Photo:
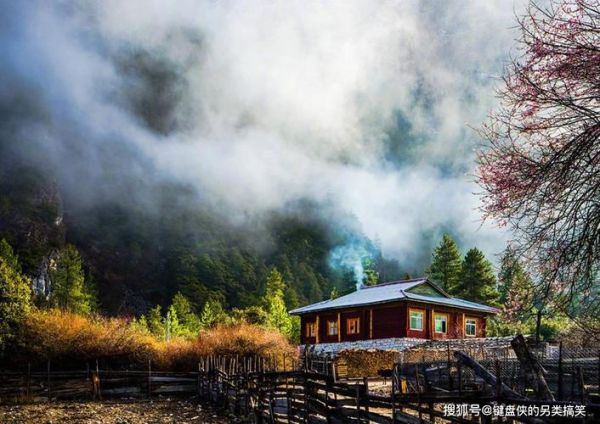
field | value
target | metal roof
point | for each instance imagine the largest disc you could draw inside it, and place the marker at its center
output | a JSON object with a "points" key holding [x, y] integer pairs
{"points": [[391, 292]]}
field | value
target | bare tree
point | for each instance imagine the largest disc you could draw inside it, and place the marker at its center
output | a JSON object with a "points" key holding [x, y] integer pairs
{"points": [[540, 169]]}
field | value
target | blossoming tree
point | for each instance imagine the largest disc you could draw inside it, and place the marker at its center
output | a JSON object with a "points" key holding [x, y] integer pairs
{"points": [[540, 169]]}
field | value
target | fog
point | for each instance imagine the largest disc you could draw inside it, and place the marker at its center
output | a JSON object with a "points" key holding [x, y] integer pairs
{"points": [[367, 106]]}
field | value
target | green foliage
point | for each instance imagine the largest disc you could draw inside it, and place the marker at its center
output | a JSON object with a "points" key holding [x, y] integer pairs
{"points": [[334, 293], [251, 315], [9, 256], [446, 265], [477, 279], [212, 313], [371, 277], [68, 290], [15, 294], [155, 323], [277, 315], [188, 321], [171, 323]]}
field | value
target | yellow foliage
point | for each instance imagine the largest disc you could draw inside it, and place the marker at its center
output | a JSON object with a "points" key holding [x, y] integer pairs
{"points": [[63, 336]]}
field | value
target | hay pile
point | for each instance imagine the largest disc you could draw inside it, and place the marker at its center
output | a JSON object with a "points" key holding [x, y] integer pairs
{"points": [[365, 362]]}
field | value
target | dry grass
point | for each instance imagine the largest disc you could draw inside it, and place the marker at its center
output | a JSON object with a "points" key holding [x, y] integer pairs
{"points": [[367, 363], [67, 337]]}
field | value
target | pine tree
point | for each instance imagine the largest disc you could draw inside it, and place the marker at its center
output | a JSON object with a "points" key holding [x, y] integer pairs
{"points": [[189, 322], [371, 276], [516, 293], [335, 293], [477, 280], [212, 312], [277, 315], [510, 268], [446, 264], [9, 256], [155, 323], [68, 283], [172, 326], [15, 293]]}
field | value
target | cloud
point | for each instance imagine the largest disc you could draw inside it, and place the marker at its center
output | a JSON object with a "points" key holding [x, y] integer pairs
{"points": [[259, 104]]}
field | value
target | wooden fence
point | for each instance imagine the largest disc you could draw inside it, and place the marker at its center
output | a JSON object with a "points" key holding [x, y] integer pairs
{"points": [[277, 390]]}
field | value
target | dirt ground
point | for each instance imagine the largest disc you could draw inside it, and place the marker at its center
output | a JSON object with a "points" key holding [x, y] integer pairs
{"points": [[112, 412]]}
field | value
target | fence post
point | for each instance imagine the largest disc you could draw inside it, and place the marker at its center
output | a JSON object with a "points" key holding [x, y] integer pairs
{"points": [[560, 371], [149, 378], [28, 379], [459, 366], [395, 378], [498, 380], [366, 389], [48, 368], [358, 403], [581, 383], [198, 382], [449, 366]]}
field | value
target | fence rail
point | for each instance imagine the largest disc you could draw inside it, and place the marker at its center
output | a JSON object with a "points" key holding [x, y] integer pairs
{"points": [[282, 390]]}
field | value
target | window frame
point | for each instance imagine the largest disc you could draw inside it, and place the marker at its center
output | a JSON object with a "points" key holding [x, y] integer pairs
{"points": [[330, 327], [474, 319], [420, 312], [311, 328], [446, 319], [357, 328]]}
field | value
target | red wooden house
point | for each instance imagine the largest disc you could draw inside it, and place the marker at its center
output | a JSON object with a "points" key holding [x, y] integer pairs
{"points": [[409, 308]]}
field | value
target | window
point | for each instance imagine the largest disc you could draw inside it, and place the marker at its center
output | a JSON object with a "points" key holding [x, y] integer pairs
{"points": [[416, 319], [311, 329], [353, 325], [441, 323], [332, 329], [470, 327]]}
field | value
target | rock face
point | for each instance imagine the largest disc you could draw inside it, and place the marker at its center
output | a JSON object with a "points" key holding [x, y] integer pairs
{"points": [[31, 218], [41, 283]]}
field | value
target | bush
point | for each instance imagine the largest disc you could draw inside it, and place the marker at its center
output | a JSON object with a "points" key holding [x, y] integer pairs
{"points": [[68, 338]]}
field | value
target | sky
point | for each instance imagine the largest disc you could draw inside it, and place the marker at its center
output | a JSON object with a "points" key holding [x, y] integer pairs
{"points": [[369, 107]]}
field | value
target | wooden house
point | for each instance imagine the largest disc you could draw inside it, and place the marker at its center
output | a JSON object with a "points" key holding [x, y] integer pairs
{"points": [[413, 308]]}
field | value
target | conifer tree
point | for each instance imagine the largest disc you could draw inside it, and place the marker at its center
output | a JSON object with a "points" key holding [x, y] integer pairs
{"points": [[15, 293], [277, 315], [335, 293], [172, 326], [155, 323], [446, 264], [68, 291], [9, 256], [371, 276], [212, 312], [511, 273], [189, 322], [477, 279]]}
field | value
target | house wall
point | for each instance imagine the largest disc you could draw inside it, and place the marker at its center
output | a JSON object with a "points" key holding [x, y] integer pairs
{"points": [[390, 320]]}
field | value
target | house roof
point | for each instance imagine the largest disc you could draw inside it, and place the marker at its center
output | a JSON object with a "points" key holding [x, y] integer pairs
{"points": [[391, 292]]}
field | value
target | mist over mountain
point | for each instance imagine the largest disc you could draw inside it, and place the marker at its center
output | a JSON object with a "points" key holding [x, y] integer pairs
{"points": [[193, 145]]}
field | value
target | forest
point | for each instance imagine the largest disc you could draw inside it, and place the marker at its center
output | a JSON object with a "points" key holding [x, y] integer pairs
{"points": [[116, 247]]}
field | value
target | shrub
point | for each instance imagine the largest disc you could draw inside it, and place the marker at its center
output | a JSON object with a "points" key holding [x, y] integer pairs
{"points": [[68, 338]]}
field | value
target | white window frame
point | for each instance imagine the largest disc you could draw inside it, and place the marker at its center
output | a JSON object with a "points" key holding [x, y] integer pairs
{"points": [[330, 328], [437, 315], [474, 320], [421, 313]]}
